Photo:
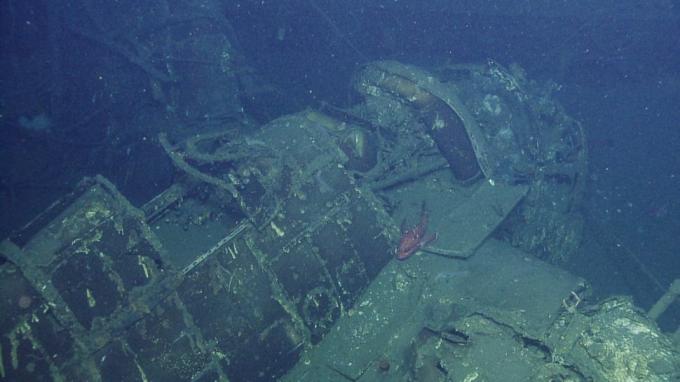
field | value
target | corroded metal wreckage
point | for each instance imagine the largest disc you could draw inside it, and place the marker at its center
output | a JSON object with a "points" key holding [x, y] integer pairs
{"points": [[271, 256]]}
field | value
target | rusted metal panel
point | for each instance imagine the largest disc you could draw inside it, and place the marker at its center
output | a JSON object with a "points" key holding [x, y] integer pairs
{"points": [[244, 309]]}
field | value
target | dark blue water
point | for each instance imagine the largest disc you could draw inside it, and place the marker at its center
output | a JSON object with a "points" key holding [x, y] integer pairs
{"points": [[85, 87]]}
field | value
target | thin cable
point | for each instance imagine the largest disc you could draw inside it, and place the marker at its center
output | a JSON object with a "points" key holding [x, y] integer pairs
{"points": [[336, 30]]}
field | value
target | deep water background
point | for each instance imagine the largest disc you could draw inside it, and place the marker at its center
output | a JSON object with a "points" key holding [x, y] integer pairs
{"points": [[618, 64]]}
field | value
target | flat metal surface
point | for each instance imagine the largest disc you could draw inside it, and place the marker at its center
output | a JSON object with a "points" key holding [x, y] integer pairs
{"points": [[500, 282], [465, 228]]}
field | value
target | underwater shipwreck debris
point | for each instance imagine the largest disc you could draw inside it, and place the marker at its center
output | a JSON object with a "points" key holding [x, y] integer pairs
{"points": [[449, 123], [309, 194]]}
